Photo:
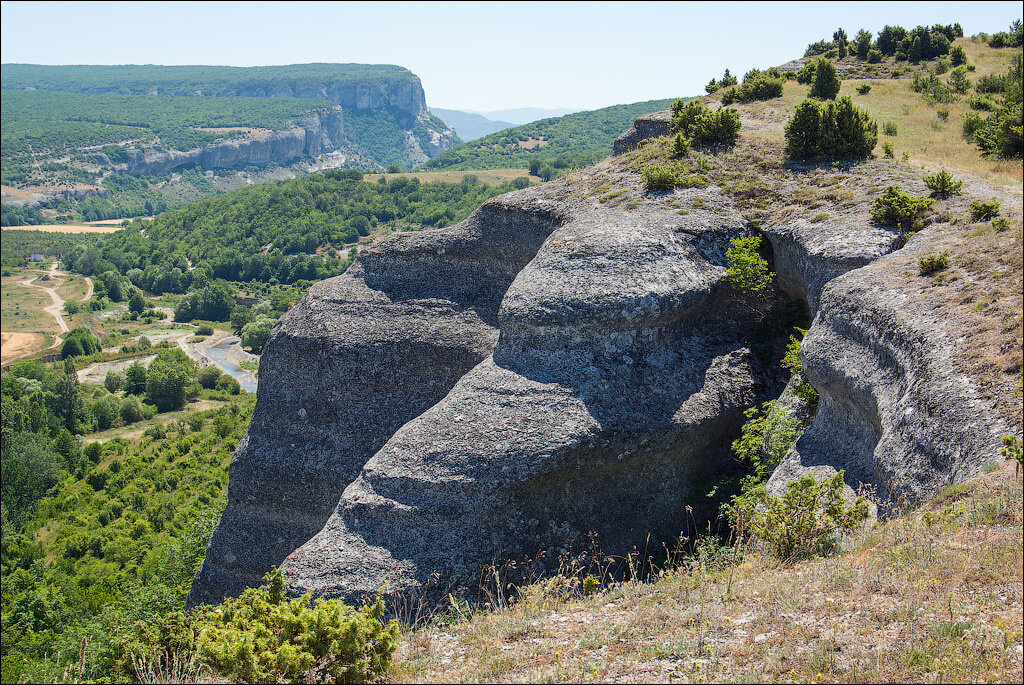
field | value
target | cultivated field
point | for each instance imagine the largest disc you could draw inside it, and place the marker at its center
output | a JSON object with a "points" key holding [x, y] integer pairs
{"points": [[95, 227]]}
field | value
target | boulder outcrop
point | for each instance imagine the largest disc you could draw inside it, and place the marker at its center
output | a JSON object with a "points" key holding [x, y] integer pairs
{"points": [[894, 414], [547, 370], [647, 126]]}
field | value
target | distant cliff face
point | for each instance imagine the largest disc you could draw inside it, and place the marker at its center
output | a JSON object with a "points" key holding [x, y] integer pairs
{"points": [[406, 96], [311, 136], [413, 135]]}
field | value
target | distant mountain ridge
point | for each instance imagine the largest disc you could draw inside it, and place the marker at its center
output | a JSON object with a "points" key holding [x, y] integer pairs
{"points": [[467, 125], [524, 115], [384, 105]]}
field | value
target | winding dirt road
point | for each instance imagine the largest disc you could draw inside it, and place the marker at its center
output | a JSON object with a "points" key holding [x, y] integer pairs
{"points": [[56, 310]]}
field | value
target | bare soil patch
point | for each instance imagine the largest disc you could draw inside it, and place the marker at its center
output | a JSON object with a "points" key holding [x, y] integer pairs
{"points": [[15, 345], [69, 228]]}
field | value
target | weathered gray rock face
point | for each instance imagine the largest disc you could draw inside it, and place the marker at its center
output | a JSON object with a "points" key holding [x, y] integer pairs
{"points": [[359, 356], [550, 391], [894, 413], [308, 136], [617, 357], [648, 126], [809, 255]]}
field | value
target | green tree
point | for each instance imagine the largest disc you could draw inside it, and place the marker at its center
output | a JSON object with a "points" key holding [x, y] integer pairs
{"points": [[748, 271], [826, 80], [240, 316], [168, 379], [896, 208], [67, 397], [256, 334], [135, 379], [862, 44], [136, 303], [113, 381], [208, 376], [79, 341], [803, 130]]}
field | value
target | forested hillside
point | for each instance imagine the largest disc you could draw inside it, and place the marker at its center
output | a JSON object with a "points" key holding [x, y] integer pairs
{"points": [[559, 142], [284, 231], [67, 131], [209, 80]]}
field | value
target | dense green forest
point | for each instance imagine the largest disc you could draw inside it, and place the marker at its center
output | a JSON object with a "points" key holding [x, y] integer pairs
{"points": [[381, 132], [124, 522], [559, 142], [280, 232], [210, 80]]}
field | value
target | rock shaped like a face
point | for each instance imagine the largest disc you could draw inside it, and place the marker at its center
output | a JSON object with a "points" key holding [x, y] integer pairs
{"points": [[621, 370]]}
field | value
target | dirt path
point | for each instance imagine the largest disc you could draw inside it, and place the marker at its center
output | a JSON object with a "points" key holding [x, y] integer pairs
{"points": [[56, 309]]}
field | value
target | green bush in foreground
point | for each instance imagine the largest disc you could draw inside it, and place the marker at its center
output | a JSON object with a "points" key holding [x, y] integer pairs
{"points": [[826, 83], [984, 209], [933, 263], [806, 519], [757, 85], [658, 177], [942, 183], [262, 637], [896, 208]]}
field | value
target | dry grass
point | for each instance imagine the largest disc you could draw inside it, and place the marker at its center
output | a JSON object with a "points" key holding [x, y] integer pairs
{"points": [[22, 307], [933, 596], [928, 141]]}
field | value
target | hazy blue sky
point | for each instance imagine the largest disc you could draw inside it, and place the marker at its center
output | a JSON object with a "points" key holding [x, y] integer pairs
{"points": [[473, 55]]}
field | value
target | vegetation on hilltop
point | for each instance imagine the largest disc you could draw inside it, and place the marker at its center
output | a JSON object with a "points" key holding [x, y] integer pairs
{"points": [[188, 80], [41, 124], [559, 142]]}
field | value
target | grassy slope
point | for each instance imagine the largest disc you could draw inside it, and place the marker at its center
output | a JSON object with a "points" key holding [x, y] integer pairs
{"points": [[936, 594]]}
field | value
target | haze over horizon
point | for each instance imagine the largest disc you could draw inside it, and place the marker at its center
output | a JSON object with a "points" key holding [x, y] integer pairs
{"points": [[482, 57]]}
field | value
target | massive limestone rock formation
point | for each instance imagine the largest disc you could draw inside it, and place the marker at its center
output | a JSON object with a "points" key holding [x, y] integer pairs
{"points": [[895, 414], [548, 369], [359, 356]]}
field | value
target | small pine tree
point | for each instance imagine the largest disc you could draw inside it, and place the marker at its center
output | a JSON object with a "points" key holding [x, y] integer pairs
{"points": [[826, 80]]}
